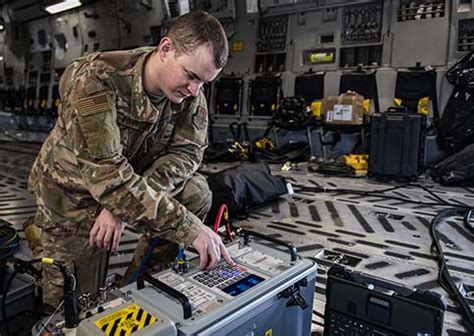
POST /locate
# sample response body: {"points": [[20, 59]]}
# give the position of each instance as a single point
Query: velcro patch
{"points": [[92, 105], [200, 117]]}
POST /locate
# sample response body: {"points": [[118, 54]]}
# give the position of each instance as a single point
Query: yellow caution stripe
{"points": [[125, 321]]}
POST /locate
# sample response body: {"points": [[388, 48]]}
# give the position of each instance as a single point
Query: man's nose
{"points": [[193, 88]]}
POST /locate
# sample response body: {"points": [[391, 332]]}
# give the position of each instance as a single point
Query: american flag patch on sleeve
{"points": [[94, 104]]}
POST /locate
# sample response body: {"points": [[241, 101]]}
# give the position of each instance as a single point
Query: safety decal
{"points": [[126, 321]]}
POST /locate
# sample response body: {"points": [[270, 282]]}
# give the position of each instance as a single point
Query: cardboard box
{"points": [[345, 109]]}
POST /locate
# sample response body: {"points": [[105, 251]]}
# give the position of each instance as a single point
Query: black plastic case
{"points": [[361, 304], [397, 145]]}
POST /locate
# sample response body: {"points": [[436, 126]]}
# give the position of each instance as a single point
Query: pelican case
{"points": [[397, 145]]}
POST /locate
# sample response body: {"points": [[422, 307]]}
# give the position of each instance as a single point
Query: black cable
{"points": [[444, 277], [335, 168], [380, 193], [71, 312], [428, 191]]}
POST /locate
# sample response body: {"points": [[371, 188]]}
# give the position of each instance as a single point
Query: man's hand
{"points": [[210, 248], [106, 231]]}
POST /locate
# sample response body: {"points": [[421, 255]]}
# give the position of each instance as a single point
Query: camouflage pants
{"points": [[89, 264]]}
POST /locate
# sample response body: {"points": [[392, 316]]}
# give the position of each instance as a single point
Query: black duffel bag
{"points": [[457, 169], [243, 187], [456, 129]]}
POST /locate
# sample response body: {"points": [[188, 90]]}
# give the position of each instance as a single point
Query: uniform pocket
{"points": [[131, 133]]}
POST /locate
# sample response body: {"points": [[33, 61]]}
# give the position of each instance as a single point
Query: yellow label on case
{"points": [[125, 321]]}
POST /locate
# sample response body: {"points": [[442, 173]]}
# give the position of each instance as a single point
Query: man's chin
{"points": [[176, 100]]}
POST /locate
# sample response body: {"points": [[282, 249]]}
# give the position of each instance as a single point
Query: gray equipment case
{"points": [[272, 295]]}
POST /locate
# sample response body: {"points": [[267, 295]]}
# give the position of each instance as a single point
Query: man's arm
{"points": [[186, 149]]}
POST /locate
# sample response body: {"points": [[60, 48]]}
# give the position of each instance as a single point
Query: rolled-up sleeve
{"points": [[94, 136], [185, 151]]}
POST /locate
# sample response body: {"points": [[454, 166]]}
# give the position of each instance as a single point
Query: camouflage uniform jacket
{"points": [[113, 148]]}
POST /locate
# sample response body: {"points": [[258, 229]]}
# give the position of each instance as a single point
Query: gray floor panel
{"points": [[384, 237]]}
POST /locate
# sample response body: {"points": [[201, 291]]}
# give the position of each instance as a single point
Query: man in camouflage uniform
{"points": [[130, 135]]}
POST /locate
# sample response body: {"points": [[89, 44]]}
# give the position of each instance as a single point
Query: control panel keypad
{"points": [[221, 276]]}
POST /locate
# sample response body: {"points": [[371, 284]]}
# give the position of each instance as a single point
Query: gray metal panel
{"points": [[272, 3], [458, 13], [420, 40], [99, 19], [242, 62], [34, 27], [331, 83], [386, 87], [307, 36], [135, 22], [444, 89]]}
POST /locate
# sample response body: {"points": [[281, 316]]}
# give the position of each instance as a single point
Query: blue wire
{"points": [[145, 260], [181, 255]]}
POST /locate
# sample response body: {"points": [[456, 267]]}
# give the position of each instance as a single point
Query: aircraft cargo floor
{"points": [[380, 236]]}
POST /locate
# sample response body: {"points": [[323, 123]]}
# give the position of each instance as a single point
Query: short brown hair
{"points": [[197, 28]]}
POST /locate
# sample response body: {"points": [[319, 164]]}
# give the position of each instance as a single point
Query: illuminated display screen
{"points": [[319, 56], [242, 285]]}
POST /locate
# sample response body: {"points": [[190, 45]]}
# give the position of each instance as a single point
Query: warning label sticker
{"points": [[125, 322]]}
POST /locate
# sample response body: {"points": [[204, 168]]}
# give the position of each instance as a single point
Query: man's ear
{"points": [[165, 47]]}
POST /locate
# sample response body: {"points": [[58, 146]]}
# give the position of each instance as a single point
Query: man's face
{"points": [[183, 75]]}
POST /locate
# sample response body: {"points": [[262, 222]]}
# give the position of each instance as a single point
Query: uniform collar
{"points": [[141, 106]]}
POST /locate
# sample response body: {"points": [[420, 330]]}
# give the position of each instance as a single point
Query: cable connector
{"points": [[181, 265]]}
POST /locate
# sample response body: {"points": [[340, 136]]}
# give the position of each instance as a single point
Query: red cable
{"points": [[229, 232], [223, 211], [218, 219]]}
